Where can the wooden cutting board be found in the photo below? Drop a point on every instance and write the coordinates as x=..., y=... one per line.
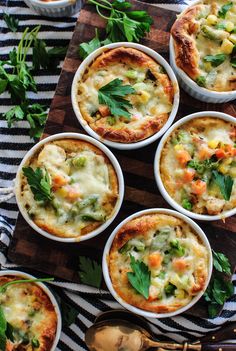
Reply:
x=29, y=248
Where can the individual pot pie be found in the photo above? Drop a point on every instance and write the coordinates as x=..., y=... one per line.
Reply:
x=198, y=165
x=30, y=316
x=125, y=96
x=204, y=43
x=169, y=256
x=80, y=183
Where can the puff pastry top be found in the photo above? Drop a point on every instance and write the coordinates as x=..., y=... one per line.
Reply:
x=195, y=158
x=30, y=313
x=176, y=275
x=205, y=30
x=84, y=185
x=151, y=104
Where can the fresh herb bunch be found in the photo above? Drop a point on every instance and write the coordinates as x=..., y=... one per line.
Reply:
x=90, y=272
x=11, y=22
x=219, y=289
x=40, y=183
x=122, y=24
x=112, y=95
x=16, y=77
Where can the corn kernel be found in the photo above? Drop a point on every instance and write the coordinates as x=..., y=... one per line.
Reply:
x=232, y=172
x=213, y=144
x=228, y=161
x=212, y=19
x=223, y=169
x=180, y=294
x=227, y=46
x=232, y=38
x=207, y=66
x=178, y=147
x=229, y=26
x=144, y=96
x=62, y=192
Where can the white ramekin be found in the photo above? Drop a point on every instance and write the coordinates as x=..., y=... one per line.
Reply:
x=113, y=161
x=23, y=275
x=106, y=274
x=190, y=86
x=58, y=8
x=160, y=184
x=88, y=61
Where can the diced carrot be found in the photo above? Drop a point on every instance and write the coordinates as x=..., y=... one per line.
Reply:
x=183, y=156
x=9, y=346
x=220, y=153
x=198, y=187
x=204, y=153
x=188, y=175
x=153, y=293
x=155, y=260
x=180, y=264
x=104, y=110
x=58, y=182
x=72, y=194
x=229, y=149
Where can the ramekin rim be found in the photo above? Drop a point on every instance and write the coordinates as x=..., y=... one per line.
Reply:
x=113, y=161
x=48, y=293
x=137, y=310
x=158, y=58
x=160, y=185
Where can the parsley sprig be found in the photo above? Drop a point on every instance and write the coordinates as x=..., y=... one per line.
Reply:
x=112, y=95
x=140, y=277
x=225, y=184
x=11, y=21
x=40, y=183
x=16, y=78
x=122, y=24
x=90, y=272
x=220, y=288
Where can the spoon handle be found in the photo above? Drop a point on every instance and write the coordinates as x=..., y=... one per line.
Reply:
x=227, y=332
x=219, y=347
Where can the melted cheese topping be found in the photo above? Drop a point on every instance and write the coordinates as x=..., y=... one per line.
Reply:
x=176, y=258
x=193, y=157
x=151, y=103
x=31, y=315
x=81, y=184
x=214, y=35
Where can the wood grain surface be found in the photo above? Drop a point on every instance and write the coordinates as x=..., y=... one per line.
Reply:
x=29, y=248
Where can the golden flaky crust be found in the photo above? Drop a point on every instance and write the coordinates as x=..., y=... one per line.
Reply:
x=141, y=226
x=186, y=54
x=46, y=331
x=109, y=200
x=126, y=132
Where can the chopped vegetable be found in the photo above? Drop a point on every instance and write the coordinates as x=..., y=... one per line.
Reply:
x=183, y=157
x=224, y=9
x=140, y=277
x=198, y=187
x=201, y=81
x=170, y=289
x=79, y=162
x=155, y=260
x=215, y=60
x=187, y=204
x=176, y=248
x=112, y=95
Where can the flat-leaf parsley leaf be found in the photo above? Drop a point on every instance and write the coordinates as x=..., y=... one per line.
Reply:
x=39, y=182
x=140, y=277
x=90, y=272
x=112, y=95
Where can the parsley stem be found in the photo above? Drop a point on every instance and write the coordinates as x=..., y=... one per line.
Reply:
x=100, y=14
x=5, y=286
x=101, y=5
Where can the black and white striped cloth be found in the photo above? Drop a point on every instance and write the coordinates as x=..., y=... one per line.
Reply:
x=15, y=142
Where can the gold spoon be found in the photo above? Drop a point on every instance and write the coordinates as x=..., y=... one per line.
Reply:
x=117, y=334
